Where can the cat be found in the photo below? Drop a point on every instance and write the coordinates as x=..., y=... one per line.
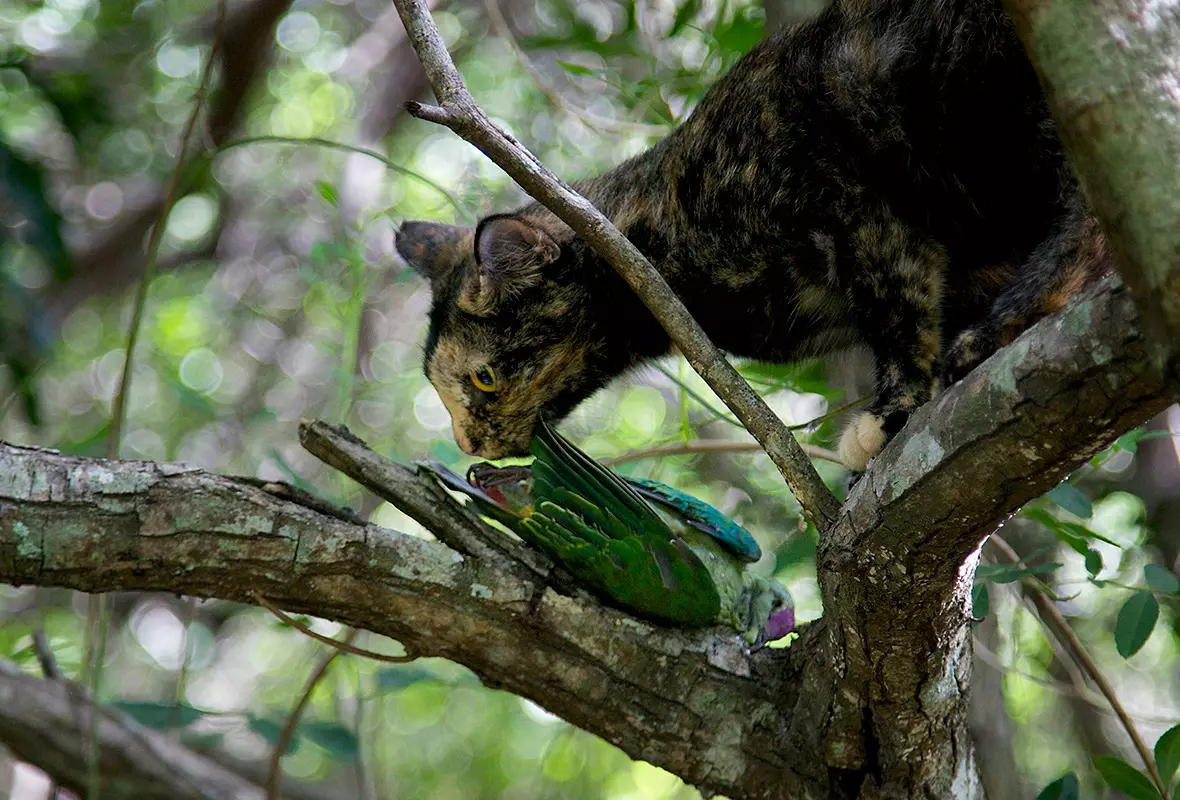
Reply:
x=886, y=174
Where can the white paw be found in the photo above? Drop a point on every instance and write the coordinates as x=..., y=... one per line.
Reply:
x=862, y=439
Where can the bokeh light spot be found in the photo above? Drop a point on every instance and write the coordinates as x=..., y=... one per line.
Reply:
x=298, y=32
x=201, y=370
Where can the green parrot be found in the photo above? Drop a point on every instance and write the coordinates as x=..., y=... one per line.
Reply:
x=683, y=567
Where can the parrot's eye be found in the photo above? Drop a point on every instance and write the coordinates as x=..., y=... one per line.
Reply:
x=484, y=379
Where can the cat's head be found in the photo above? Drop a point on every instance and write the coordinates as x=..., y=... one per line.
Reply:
x=510, y=335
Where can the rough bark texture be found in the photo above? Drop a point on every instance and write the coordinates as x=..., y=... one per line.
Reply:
x=1111, y=71
x=868, y=702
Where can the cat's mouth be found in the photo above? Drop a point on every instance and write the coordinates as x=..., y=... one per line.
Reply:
x=489, y=449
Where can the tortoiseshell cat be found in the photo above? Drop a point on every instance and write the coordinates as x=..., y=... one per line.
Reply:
x=886, y=173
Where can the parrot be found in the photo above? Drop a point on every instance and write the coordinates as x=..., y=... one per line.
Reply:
x=642, y=546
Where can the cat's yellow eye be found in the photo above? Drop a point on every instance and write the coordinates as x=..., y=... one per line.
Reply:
x=484, y=379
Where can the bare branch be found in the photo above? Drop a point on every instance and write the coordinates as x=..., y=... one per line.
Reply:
x=1054, y=620
x=339, y=644
x=884, y=669
x=459, y=112
x=45, y=723
x=275, y=775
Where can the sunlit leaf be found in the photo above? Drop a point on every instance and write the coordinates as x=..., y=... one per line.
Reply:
x=1160, y=579
x=1135, y=622
x=1120, y=775
x=328, y=192
x=577, y=69
x=1072, y=500
x=1064, y=788
x=1167, y=753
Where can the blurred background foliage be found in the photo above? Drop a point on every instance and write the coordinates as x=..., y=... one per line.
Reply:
x=279, y=297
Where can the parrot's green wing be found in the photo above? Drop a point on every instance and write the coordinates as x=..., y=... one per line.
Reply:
x=702, y=516
x=596, y=526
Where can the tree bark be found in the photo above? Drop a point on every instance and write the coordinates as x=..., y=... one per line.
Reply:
x=868, y=702
x=1111, y=72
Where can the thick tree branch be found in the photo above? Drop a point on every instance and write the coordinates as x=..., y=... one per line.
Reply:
x=896, y=569
x=1111, y=71
x=870, y=698
x=460, y=113
x=46, y=723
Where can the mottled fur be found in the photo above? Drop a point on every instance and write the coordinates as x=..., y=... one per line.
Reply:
x=885, y=174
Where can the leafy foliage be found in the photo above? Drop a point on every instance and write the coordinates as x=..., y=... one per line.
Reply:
x=279, y=298
x=1120, y=775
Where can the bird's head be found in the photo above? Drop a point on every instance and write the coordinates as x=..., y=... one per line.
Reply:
x=766, y=611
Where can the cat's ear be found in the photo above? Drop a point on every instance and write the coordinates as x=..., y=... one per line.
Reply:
x=433, y=250
x=510, y=254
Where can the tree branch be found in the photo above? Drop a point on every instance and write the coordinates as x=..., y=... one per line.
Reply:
x=1111, y=72
x=872, y=694
x=460, y=113
x=46, y=724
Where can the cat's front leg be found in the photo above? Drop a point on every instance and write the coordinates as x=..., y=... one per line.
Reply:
x=893, y=277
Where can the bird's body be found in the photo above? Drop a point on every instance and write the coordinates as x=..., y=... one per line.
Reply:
x=683, y=567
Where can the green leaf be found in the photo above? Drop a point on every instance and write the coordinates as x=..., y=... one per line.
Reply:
x=684, y=15
x=1135, y=622
x=1167, y=753
x=1068, y=532
x=1064, y=788
x=1129, y=441
x=1120, y=775
x=1072, y=500
x=395, y=678
x=1160, y=579
x=160, y=716
x=577, y=69
x=333, y=737
x=328, y=193
x=270, y=730
x=1093, y=563
x=23, y=184
x=980, y=601
x=1008, y=573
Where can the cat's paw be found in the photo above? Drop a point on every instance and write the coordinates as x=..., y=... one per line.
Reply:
x=864, y=437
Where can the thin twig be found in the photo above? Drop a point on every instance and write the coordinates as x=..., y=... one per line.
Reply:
x=1064, y=633
x=556, y=98
x=460, y=113
x=93, y=773
x=693, y=448
x=339, y=644
x=391, y=165
x=119, y=406
x=189, y=611
x=1083, y=693
x=275, y=774
x=44, y=653
x=97, y=607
